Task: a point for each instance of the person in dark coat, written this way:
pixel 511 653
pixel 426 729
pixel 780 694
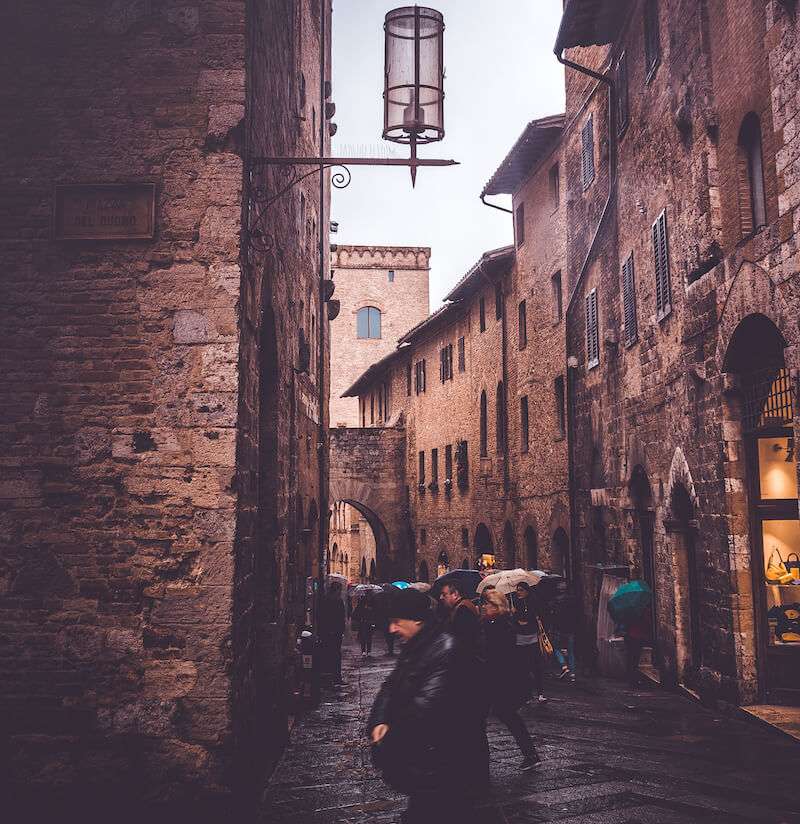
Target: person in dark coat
pixel 331 628
pixel 507 673
pixel 527 614
pixel 365 615
pixel 428 723
pixel 462 618
pixel 564 626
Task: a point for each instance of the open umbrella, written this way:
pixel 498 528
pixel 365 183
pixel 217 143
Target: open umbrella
pixel 421 586
pixel 362 589
pixel 630 600
pixel 401 584
pixel 506 580
pixel 470 578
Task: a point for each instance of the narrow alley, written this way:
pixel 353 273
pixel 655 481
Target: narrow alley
pixel 611 756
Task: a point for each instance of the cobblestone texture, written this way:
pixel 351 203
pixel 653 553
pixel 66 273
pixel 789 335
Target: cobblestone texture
pixel 611 755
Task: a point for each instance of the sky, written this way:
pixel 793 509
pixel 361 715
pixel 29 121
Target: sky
pixel 500 73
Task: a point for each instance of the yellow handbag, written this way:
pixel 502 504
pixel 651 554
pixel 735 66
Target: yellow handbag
pixel 776 572
pixel 545 644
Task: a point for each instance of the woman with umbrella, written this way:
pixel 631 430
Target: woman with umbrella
pixel 506 672
pixel 629 606
pixel 528 623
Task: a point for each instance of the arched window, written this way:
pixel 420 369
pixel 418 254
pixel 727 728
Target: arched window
pixel 368 322
pixel 484 425
pixel 752 204
pixel 501 418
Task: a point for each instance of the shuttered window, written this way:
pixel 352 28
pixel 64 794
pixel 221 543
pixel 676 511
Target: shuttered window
pixel 519 224
pixel 661 259
pixel 629 302
pixel 462 355
pixel 587 153
pixel 446 363
pixel 592 331
pixel 622 93
pixel 419 377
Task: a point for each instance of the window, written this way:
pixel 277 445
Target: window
pixel 561 418
pixel 423 536
pixel 448 467
pixel 558 300
pixel 519 225
pixel 750 172
pixel 408 379
pixel 372 409
pixel 380 403
pixel 421 471
pixel 462 465
pixel 363 409
pixel 592 331
pixel 555 186
pixel 446 363
pixel 484 425
pixel 391 276
pixel 661 257
pixel 419 377
pixel 524 426
pixel 587 153
pixel 629 301
pixel 652 37
pixel 622 93
pixel 500 417
pixel 434 469
pixel 462 356
pixel 498 302
pixel 464 536
pixel 368 322
pixel 482 313
pixel 523 325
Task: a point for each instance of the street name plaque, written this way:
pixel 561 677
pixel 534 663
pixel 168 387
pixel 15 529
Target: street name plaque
pixel 104 211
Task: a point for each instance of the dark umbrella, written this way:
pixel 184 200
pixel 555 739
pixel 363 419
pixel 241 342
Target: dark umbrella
pixel 630 601
pixel 468 578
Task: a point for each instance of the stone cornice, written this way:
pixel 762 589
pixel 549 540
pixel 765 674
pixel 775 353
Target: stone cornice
pixel 381 257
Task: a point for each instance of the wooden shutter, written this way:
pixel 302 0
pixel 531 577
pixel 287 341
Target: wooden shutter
pixel 629 301
pixel 592 336
pixel 587 152
pixel 661 260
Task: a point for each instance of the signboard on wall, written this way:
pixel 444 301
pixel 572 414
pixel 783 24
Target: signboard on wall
pixel 104 211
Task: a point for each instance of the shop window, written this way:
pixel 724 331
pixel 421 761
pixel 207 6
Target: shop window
pixel 777 477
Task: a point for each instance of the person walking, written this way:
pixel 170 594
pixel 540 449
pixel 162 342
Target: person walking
pixel 527 621
pixel 331 629
pixel 564 626
pixel 427 726
pixel 462 619
pixel 636 633
pixel 365 616
pixel 506 672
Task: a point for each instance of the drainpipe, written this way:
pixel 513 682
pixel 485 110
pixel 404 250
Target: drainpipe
pixel 495 206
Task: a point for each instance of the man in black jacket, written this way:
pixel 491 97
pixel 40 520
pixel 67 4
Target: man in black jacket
pixel 428 722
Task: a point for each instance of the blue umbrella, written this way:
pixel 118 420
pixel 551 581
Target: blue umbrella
pixel 401 584
pixel 630 601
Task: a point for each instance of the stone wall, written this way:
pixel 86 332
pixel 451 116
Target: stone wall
pixel 142 465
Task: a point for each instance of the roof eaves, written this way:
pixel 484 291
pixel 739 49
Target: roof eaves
pixel 591 23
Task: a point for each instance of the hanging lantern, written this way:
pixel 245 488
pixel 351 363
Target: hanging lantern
pixel 413 95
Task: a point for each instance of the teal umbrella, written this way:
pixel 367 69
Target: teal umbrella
pixel 401 584
pixel 630 601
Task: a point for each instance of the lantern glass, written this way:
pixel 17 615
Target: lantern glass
pixel 413 97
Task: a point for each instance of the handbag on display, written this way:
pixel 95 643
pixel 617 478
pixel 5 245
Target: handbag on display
pixel 776 572
pixel 793 566
pixel 787 629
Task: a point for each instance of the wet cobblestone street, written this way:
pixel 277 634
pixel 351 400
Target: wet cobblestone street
pixel 610 755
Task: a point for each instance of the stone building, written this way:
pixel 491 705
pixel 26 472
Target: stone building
pixel 383 291
pixel 681 159
pixel 164 392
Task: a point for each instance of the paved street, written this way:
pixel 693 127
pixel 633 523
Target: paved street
pixel 611 756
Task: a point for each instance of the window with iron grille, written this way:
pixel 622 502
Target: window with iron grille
pixel 523 325
pixel 629 302
pixel 524 425
pixel 462 355
pixel 661 258
pixel 519 225
pixel 768 399
pixel 592 331
pixel 587 153
pixel 622 93
pixel 462 465
pixel 482 314
pixel 652 36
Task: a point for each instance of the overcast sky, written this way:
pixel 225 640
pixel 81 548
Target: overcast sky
pixel 500 73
